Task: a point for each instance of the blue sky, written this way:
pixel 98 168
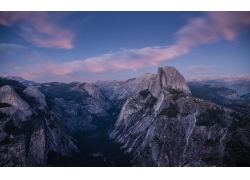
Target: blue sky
pixel 91 46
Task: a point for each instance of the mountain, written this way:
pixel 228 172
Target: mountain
pixel 240 84
pixel 152 120
pixel 223 81
pixel 56 124
pixel 165 125
pixel 241 88
pixel 243 79
pixel 167 77
pixel 118 91
pixel 21 80
pixel 221 95
pixel 27 131
pixel 246 97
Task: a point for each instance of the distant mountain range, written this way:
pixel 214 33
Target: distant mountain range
pixel 152 120
pixel 21 80
pixel 226 80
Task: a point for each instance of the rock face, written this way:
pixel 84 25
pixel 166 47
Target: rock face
pixel 28 131
pixel 32 91
pixel 18 105
pixel 160 123
pixel 94 102
pixel 72 115
pixel 166 126
pixel 118 91
pixel 168 77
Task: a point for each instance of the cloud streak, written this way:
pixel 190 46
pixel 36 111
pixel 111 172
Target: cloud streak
pixel 212 27
pixel 39 29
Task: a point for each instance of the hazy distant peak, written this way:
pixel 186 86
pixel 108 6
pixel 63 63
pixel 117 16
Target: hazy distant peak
pixel 17 78
pixel 21 80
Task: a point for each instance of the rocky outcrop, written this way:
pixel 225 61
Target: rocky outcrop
pixel 168 77
pixel 167 126
pixel 160 123
pixel 39 98
pixel 72 115
pixel 27 134
pixel 93 100
pixel 17 105
pixel 118 91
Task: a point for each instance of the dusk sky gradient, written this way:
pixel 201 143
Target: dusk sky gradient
pixel 91 46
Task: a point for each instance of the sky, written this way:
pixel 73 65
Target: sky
pixel 89 46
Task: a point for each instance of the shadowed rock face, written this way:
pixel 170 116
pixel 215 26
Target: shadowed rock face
pixel 94 102
pixel 28 131
pixel 168 77
pixel 241 88
pixel 32 91
pixel 8 95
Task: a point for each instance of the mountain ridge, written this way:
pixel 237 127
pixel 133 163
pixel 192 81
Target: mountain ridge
pixel 170 127
pixel 156 118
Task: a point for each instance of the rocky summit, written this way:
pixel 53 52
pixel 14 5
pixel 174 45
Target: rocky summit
pixel 166 126
pixel 151 120
pixel 167 77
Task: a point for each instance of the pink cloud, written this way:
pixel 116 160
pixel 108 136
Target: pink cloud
pixel 212 27
pixel 38 28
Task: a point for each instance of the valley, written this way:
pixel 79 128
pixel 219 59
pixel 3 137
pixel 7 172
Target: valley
pixel 152 120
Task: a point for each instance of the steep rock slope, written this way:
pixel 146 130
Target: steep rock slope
pixel 167 77
pixel 16 104
pixel 76 104
pixel 27 131
pixel 118 91
pixel 39 98
pixel 167 126
pixel 87 116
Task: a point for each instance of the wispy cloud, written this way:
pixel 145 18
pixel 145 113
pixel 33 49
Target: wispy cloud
pixel 39 29
pixel 200 69
pixel 210 28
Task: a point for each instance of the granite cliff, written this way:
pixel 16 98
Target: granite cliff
pixel 166 126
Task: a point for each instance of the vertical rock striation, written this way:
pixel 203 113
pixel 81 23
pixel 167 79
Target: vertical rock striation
pixel 166 126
